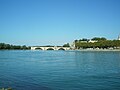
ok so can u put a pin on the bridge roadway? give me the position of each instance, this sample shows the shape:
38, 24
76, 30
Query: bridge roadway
49, 48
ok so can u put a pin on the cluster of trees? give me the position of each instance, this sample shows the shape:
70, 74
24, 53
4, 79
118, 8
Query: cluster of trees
99, 39
95, 39
66, 45
12, 47
101, 43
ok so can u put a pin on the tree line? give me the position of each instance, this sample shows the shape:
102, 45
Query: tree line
100, 43
79, 44
4, 46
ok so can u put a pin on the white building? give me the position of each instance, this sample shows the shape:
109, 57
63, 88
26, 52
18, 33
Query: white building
92, 41
72, 45
119, 37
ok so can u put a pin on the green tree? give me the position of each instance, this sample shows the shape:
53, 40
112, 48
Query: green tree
100, 44
66, 45
8, 46
99, 39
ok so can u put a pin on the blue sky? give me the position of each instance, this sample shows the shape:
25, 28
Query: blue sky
55, 22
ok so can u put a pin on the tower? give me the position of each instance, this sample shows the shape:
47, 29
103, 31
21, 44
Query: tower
72, 45
119, 37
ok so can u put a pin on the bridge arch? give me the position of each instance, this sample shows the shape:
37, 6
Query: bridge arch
38, 48
61, 49
50, 48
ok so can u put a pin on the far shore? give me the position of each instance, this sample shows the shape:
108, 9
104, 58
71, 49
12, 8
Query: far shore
97, 50
71, 50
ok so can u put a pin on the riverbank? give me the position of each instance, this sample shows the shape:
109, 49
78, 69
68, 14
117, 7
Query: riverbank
97, 50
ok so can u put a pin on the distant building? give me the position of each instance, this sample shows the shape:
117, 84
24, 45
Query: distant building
92, 41
119, 37
72, 45
88, 41
83, 41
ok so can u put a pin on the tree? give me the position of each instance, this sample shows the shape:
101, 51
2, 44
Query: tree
84, 39
76, 41
99, 39
66, 45
100, 44
8, 46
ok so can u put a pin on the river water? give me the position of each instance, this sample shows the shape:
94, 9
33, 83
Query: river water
59, 70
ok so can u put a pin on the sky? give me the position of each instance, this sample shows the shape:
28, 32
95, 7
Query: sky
56, 22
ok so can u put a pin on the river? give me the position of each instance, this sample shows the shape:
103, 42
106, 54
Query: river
60, 70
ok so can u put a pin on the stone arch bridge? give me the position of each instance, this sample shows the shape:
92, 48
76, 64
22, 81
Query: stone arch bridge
49, 48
